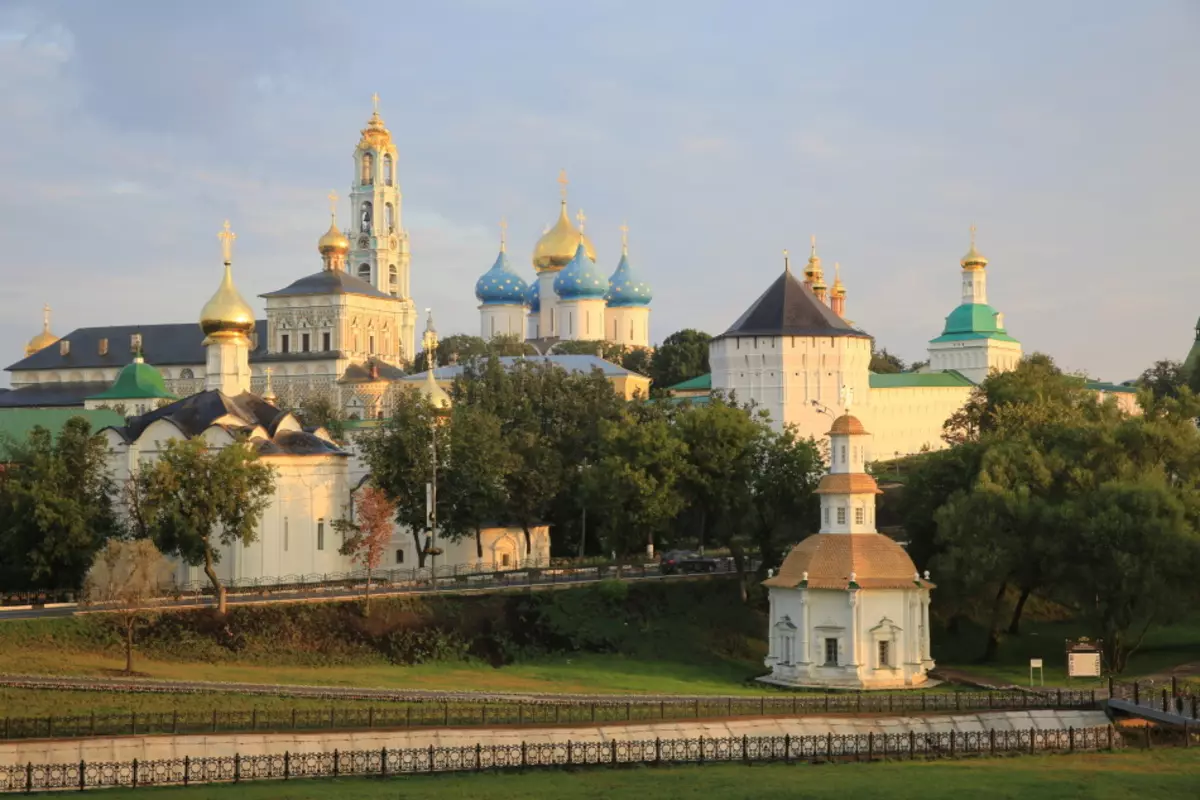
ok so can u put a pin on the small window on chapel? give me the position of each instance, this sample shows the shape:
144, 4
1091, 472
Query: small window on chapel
283, 343
325, 342
841, 516
320, 534
304, 342
859, 515
399, 556
885, 654
831, 658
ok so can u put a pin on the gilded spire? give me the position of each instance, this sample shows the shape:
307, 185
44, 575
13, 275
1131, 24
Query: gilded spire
226, 311
375, 102
44, 339
838, 287
46, 318
787, 262
269, 395
624, 238
503, 234
973, 260
562, 186
333, 245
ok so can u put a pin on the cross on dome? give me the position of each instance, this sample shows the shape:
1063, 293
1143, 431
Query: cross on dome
562, 184
503, 233
624, 238
582, 219
375, 102
333, 198
227, 236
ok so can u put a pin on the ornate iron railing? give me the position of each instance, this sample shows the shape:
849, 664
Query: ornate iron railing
384, 762
460, 712
1178, 698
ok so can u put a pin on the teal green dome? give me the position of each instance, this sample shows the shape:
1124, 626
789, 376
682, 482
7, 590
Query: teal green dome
974, 321
137, 380
626, 288
582, 279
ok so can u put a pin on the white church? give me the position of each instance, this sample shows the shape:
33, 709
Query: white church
848, 609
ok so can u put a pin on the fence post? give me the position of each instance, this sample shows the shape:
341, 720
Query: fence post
1093, 698
1059, 698
187, 763
828, 743
29, 777
1164, 701
912, 745
383, 761
662, 709
254, 719
134, 773
83, 768
523, 754
952, 738
858, 700
1071, 739
787, 748
745, 749
992, 741
762, 706
293, 719
1110, 737
1136, 693
287, 764
1147, 730
958, 701
701, 748
1032, 745
793, 704
628, 711
331, 717
827, 702
371, 717
657, 750
479, 756
133, 723
1186, 735
697, 711
214, 722
175, 721
870, 746
237, 767
337, 762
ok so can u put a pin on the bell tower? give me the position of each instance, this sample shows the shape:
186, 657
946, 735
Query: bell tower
379, 251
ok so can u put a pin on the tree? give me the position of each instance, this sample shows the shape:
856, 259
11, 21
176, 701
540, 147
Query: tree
55, 507
638, 359
368, 533
195, 500
635, 480
510, 344
400, 456
883, 362
318, 411
682, 356
473, 483
125, 577
458, 348
1163, 379
784, 505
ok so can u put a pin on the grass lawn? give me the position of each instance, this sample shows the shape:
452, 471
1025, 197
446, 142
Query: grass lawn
584, 674
1158, 774
1164, 648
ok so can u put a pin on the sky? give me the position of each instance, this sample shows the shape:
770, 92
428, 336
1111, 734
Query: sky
721, 132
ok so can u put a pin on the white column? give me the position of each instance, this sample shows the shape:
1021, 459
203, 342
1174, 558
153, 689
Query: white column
805, 630
925, 627
852, 656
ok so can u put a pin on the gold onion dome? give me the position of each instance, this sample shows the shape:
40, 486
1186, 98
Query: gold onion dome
557, 246
334, 241
376, 135
973, 258
226, 311
43, 339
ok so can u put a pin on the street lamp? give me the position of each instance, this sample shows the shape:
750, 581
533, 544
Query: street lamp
430, 342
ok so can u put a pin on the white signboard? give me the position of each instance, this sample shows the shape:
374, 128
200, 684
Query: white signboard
1083, 665
1035, 663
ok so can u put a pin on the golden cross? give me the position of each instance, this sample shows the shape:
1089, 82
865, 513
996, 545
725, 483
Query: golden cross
787, 264
333, 198
625, 238
813, 240
46, 316
375, 101
582, 219
503, 233
837, 270
972, 235
562, 183
227, 236
268, 371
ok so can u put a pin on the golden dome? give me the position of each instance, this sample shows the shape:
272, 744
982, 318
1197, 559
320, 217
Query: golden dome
376, 136
334, 241
43, 339
226, 310
557, 246
973, 259
847, 425
435, 394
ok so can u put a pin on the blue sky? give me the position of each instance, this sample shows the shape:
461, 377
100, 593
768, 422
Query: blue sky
722, 132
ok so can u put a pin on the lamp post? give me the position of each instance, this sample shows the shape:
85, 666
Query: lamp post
430, 342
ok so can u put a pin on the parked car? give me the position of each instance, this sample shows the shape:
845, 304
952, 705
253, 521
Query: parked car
682, 561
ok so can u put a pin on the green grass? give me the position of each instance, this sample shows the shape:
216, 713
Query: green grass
1160, 774
1165, 647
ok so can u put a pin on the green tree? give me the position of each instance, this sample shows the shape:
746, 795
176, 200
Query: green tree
400, 456
125, 577
55, 507
318, 411
785, 508
458, 348
883, 362
510, 344
682, 356
1163, 379
638, 359
473, 484
195, 500
634, 482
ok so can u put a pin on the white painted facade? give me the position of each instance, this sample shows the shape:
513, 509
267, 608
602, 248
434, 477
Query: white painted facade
501, 320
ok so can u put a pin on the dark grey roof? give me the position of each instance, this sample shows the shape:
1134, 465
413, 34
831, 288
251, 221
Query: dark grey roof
193, 415
51, 395
329, 281
162, 345
789, 308
361, 373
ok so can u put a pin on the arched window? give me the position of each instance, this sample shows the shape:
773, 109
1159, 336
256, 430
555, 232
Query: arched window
186, 374
387, 169
364, 272
389, 215
364, 217
368, 164
393, 279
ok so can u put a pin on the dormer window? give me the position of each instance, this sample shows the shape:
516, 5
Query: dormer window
64, 347
135, 343
103, 348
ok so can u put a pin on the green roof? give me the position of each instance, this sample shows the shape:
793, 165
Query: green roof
696, 400
899, 380
137, 380
1117, 388
973, 321
696, 384
16, 423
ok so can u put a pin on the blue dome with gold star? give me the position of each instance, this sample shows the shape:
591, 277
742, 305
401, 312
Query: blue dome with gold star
626, 288
533, 298
500, 286
582, 279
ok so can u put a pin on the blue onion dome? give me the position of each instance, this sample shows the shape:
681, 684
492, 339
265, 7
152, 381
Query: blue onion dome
533, 298
626, 288
500, 285
581, 279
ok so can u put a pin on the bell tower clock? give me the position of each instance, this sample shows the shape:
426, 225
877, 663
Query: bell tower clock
379, 251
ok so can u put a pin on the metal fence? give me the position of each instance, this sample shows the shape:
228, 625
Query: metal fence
406, 761
1176, 698
479, 575
451, 713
